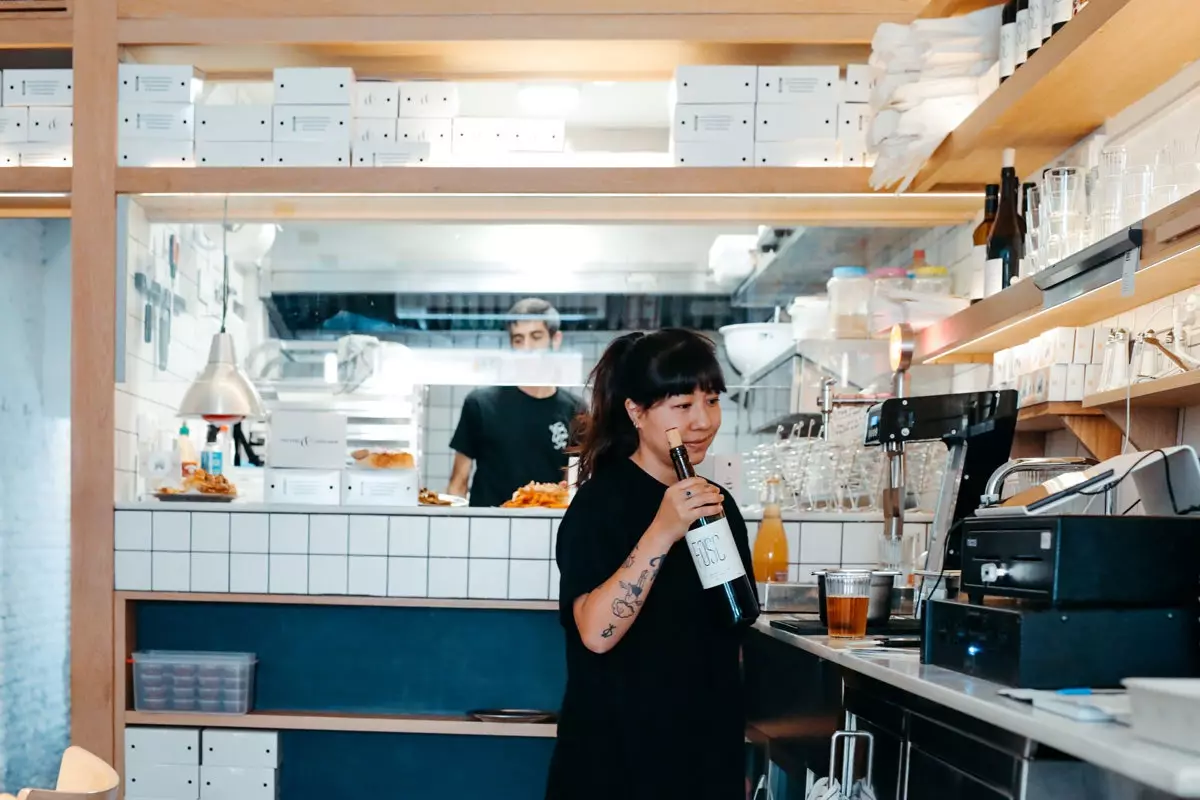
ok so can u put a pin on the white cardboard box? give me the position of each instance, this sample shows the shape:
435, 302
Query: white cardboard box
14, 124
44, 154
392, 154
167, 121
1076, 382
1056, 383
860, 80
438, 99
783, 85
801, 120
51, 124
715, 84
149, 746
538, 135
165, 781
233, 748
155, 153
1099, 339
159, 83
314, 123
723, 122
438, 133
377, 99
854, 154
373, 131
236, 783
317, 487
1083, 346
797, 153
1059, 345
10, 156
380, 487
38, 87
1091, 379
307, 440
234, 123
233, 154
311, 154
853, 121
314, 86
713, 154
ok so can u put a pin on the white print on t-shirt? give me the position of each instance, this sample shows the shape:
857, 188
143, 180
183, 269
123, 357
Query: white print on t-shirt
559, 436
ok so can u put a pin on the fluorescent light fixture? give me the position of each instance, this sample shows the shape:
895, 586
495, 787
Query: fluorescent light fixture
548, 99
880, 196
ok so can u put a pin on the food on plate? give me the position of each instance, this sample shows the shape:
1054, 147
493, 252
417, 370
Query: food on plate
201, 482
428, 497
539, 495
383, 459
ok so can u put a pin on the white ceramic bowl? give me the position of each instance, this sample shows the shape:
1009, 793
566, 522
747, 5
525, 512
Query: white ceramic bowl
751, 345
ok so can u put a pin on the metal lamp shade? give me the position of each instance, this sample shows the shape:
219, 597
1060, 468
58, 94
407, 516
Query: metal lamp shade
222, 391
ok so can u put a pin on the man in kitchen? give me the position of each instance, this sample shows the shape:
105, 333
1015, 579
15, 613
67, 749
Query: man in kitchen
513, 435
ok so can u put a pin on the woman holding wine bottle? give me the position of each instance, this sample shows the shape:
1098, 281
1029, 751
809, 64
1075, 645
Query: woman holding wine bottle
654, 592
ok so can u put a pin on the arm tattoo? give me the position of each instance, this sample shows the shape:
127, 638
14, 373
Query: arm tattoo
607, 632
656, 562
625, 607
632, 555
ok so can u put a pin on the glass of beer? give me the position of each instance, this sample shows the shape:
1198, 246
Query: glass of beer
847, 595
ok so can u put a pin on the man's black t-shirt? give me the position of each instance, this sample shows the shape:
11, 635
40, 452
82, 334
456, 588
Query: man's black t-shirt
514, 439
661, 714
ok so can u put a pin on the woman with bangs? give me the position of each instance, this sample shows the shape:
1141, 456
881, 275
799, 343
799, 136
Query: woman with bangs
653, 705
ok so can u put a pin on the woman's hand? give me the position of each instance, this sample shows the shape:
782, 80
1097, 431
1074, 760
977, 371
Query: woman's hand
683, 504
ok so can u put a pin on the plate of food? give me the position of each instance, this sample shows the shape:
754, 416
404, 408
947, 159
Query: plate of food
539, 495
383, 459
200, 487
428, 497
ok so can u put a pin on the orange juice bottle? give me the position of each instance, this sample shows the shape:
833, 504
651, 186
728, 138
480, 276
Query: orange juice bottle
771, 547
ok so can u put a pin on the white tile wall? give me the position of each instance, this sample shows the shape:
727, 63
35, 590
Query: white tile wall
487, 578
449, 537
250, 533
368, 535
368, 576
408, 536
530, 538
210, 533
489, 538
408, 577
447, 577
329, 534
289, 533
210, 572
247, 573
328, 574
287, 574
821, 543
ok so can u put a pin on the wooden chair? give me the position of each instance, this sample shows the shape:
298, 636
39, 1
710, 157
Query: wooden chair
81, 776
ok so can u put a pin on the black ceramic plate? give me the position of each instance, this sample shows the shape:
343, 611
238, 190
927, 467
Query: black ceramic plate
511, 715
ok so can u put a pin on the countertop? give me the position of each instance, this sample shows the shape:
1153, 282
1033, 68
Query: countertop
1106, 744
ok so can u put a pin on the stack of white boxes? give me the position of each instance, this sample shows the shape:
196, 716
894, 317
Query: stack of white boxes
854, 116
1062, 364
427, 110
36, 117
377, 142
312, 120
233, 136
156, 114
713, 120
483, 138
189, 764
796, 119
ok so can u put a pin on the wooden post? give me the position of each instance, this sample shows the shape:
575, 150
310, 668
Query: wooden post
93, 339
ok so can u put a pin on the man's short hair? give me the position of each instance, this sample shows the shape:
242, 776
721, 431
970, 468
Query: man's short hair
535, 308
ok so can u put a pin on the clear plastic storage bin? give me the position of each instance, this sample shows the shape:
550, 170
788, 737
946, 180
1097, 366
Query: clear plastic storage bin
849, 303
196, 682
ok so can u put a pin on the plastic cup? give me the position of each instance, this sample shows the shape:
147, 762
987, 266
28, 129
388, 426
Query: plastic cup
847, 598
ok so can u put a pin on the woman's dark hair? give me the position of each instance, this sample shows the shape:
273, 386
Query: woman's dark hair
644, 368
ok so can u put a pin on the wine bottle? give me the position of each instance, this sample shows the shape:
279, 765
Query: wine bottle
1008, 40
715, 554
770, 556
1023, 29
1025, 270
1033, 41
979, 240
1004, 244
1063, 11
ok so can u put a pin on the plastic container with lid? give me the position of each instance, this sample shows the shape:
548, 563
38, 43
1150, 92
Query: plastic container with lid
886, 306
932, 280
170, 680
849, 303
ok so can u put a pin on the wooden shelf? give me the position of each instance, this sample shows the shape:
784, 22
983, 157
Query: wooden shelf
337, 600
1099, 435
1049, 416
1069, 88
953, 8
34, 191
35, 30
367, 723
1175, 391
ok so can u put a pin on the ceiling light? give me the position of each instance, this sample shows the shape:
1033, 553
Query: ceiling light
554, 99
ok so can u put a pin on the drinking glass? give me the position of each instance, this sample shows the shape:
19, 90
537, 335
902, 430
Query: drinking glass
1064, 201
1110, 189
1137, 195
1033, 235
847, 598
1165, 189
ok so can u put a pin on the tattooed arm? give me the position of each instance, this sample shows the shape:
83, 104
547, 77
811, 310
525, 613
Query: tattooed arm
605, 614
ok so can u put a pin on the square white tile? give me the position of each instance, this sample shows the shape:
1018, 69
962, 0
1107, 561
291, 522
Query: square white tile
210, 572
554, 523
530, 538
407, 577
172, 531
288, 573
488, 578
328, 574
408, 536
131, 570
792, 531
805, 573
447, 577
329, 534
489, 537
210, 532
249, 533
821, 543
794, 573
554, 580
248, 573
368, 575
449, 537
860, 542
171, 572
132, 530
529, 580
289, 533
368, 535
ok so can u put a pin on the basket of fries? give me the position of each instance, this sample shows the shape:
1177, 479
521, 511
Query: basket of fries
539, 495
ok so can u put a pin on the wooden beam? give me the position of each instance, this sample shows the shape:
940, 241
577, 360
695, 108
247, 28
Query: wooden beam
34, 180
93, 337
1098, 434
34, 32
1149, 428
953, 8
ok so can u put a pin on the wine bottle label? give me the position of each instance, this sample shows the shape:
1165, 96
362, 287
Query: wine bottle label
1063, 10
1047, 18
1036, 15
715, 554
993, 276
1022, 36
976, 290
1008, 50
